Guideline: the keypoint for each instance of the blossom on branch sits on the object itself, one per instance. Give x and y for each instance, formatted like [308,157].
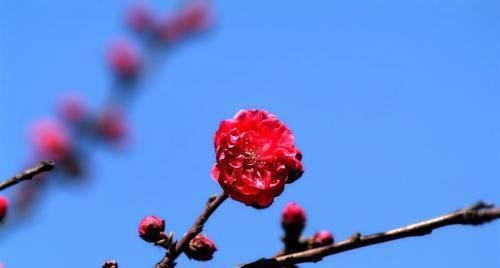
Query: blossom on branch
[321,238]
[124,58]
[50,140]
[139,17]
[256,156]
[293,217]
[201,248]
[152,229]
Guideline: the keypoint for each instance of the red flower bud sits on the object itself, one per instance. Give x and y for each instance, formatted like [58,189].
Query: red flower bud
[139,17]
[4,204]
[256,156]
[72,107]
[293,217]
[321,238]
[110,264]
[196,16]
[124,59]
[201,248]
[169,29]
[50,139]
[112,124]
[152,229]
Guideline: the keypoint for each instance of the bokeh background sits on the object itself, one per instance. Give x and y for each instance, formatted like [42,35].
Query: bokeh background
[395,105]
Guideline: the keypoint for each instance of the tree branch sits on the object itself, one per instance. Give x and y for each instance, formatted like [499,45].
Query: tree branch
[175,249]
[28,174]
[477,214]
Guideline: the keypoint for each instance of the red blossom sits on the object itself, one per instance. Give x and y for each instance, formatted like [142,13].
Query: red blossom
[256,157]
[112,124]
[72,107]
[169,29]
[4,204]
[124,58]
[139,17]
[50,139]
[201,248]
[293,216]
[152,229]
[196,16]
[321,238]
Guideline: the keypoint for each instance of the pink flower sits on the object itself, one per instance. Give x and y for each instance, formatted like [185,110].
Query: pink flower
[196,16]
[201,248]
[293,216]
[112,124]
[124,59]
[256,157]
[152,229]
[4,204]
[169,29]
[50,139]
[321,238]
[139,17]
[72,107]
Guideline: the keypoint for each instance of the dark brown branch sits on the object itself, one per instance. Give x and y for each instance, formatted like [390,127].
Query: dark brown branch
[28,174]
[176,249]
[477,214]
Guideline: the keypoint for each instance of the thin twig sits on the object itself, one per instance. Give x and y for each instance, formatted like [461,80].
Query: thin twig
[28,174]
[176,249]
[477,214]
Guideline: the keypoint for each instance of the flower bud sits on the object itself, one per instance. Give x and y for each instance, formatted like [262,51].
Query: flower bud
[50,139]
[201,248]
[124,59]
[3,207]
[112,125]
[196,16]
[152,229]
[72,107]
[321,238]
[110,264]
[139,17]
[293,217]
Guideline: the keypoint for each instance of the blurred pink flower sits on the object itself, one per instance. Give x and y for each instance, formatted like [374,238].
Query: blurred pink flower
[139,17]
[72,107]
[50,139]
[124,58]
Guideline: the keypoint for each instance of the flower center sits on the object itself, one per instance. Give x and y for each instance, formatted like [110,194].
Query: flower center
[250,158]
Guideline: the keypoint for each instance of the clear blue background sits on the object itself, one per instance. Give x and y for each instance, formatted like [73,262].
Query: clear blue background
[395,105]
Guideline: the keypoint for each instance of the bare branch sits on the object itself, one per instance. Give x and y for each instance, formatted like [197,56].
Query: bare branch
[175,250]
[477,214]
[28,174]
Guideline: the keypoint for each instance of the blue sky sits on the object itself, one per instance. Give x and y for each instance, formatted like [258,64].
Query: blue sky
[395,105]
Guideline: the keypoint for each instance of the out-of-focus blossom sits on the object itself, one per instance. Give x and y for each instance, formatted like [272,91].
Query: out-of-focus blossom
[152,229]
[124,58]
[169,29]
[201,248]
[321,238]
[50,139]
[113,125]
[72,107]
[196,16]
[256,156]
[139,17]
[4,204]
